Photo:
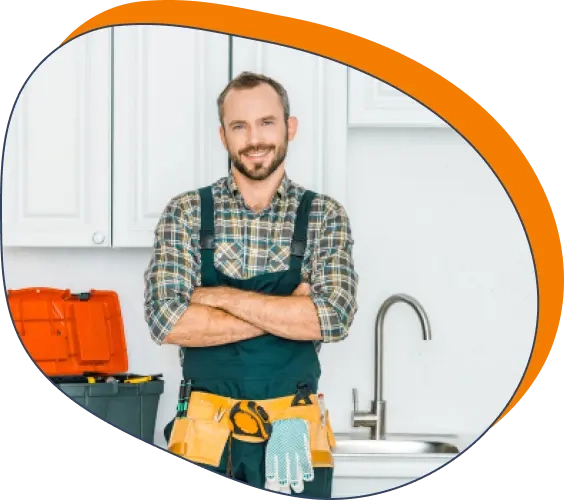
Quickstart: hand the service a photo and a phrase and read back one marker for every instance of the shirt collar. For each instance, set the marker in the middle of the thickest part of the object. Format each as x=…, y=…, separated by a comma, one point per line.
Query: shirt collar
x=281, y=191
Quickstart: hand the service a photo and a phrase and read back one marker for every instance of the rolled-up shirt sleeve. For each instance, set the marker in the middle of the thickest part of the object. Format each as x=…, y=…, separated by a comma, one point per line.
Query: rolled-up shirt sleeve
x=334, y=279
x=171, y=274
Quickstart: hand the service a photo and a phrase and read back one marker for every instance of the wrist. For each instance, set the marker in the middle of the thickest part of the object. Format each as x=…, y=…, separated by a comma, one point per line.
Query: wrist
x=202, y=296
x=209, y=296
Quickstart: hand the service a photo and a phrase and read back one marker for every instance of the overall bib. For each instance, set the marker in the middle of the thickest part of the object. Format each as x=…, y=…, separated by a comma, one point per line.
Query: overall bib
x=257, y=369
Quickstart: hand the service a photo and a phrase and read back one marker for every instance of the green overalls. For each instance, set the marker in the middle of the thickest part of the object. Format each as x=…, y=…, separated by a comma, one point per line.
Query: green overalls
x=260, y=368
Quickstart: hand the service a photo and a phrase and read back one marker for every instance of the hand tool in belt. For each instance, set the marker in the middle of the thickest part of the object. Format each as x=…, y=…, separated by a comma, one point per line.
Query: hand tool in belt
x=179, y=433
x=303, y=395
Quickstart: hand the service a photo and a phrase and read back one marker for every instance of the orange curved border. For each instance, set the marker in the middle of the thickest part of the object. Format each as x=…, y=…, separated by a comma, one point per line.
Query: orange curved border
x=430, y=89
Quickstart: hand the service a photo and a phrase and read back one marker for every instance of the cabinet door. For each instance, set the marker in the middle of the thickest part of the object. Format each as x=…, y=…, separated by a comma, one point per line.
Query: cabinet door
x=166, y=126
x=373, y=103
x=317, y=90
x=56, y=171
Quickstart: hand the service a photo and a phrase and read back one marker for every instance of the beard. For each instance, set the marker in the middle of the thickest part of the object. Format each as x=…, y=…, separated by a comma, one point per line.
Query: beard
x=259, y=171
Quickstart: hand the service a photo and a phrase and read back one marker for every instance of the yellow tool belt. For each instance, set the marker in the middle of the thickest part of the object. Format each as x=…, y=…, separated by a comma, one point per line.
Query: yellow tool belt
x=211, y=420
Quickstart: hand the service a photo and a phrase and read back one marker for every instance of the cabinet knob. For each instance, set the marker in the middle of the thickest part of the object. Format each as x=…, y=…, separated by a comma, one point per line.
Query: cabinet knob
x=98, y=238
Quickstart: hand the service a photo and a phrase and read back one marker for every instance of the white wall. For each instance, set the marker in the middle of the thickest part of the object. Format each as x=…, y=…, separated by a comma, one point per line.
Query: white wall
x=429, y=219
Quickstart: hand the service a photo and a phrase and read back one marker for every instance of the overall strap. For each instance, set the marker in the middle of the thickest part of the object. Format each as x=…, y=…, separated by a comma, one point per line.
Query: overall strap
x=299, y=240
x=207, y=228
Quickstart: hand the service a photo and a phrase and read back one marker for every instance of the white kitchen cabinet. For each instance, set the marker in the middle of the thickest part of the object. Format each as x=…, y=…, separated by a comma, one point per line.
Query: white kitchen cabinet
x=366, y=473
x=166, y=126
x=56, y=169
x=373, y=474
x=373, y=103
x=119, y=121
x=317, y=91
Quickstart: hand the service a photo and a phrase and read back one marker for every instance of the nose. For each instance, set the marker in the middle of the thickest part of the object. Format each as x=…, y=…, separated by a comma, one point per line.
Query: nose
x=255, y=136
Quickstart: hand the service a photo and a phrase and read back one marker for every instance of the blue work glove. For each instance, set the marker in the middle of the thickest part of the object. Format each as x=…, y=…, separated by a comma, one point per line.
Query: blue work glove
x=288, y=457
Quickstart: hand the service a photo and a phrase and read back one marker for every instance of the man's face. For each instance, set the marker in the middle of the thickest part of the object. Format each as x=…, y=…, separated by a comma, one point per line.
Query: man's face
x=254, y=132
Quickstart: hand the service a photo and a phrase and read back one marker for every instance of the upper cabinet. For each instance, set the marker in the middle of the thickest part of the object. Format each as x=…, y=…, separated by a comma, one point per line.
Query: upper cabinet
x=373, y=103
x=115, y=123
x=166, y=126
x=317, y=91
x=56, y=168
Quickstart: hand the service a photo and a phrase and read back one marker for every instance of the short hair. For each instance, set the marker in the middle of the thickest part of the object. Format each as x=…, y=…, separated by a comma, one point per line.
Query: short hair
x=249, y=80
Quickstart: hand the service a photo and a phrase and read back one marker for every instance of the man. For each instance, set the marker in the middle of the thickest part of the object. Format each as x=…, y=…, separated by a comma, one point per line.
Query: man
x=249, y=277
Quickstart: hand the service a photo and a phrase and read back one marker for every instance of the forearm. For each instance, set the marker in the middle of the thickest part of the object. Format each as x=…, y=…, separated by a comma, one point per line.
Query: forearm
x=204, y=326
x=293, y=317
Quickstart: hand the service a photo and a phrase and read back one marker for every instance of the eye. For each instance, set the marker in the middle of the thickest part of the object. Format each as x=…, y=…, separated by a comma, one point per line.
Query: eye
x=268, y=122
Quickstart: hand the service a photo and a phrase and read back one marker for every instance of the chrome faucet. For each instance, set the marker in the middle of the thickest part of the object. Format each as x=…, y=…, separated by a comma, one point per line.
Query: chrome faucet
x=376, y=418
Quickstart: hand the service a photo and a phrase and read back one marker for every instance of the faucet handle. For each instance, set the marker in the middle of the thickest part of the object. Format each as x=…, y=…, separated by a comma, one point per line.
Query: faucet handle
x=355, y=400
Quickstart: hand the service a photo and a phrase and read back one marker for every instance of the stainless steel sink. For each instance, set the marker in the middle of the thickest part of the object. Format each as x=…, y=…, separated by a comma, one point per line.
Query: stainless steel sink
x=350, y=445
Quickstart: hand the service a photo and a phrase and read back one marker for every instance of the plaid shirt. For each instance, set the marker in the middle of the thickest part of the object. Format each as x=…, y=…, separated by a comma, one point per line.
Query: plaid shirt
x=248, y=244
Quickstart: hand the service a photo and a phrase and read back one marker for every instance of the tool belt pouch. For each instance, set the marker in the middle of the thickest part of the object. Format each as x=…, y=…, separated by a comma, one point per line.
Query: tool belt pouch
x=199, y=439
x=321, y=443
x=177, y=440
x=330, y=435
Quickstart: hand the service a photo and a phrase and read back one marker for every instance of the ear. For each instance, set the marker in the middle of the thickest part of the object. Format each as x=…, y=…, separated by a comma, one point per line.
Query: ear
x=222, y=136
x=292, y=127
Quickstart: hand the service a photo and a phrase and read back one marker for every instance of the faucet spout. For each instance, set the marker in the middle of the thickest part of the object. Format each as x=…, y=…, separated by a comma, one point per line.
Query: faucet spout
x=379, y=353
x=376, y=417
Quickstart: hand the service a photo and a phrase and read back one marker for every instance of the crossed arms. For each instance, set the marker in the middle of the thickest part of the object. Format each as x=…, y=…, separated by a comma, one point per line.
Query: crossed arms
x=223, y=315
x=181, y=313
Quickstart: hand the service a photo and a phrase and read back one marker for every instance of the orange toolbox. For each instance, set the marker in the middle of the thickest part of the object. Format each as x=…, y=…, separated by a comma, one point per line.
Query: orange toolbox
x=78, y=341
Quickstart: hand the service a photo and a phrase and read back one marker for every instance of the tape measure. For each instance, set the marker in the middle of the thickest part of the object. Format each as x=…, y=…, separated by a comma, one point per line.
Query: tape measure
x=248, y=419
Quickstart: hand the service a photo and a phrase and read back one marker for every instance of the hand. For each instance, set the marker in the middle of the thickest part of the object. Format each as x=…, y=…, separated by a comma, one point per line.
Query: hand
x=288, y=457
x=302, y=289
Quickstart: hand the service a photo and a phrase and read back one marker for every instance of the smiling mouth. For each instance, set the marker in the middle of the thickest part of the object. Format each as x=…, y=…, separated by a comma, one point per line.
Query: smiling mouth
x=257, y=155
